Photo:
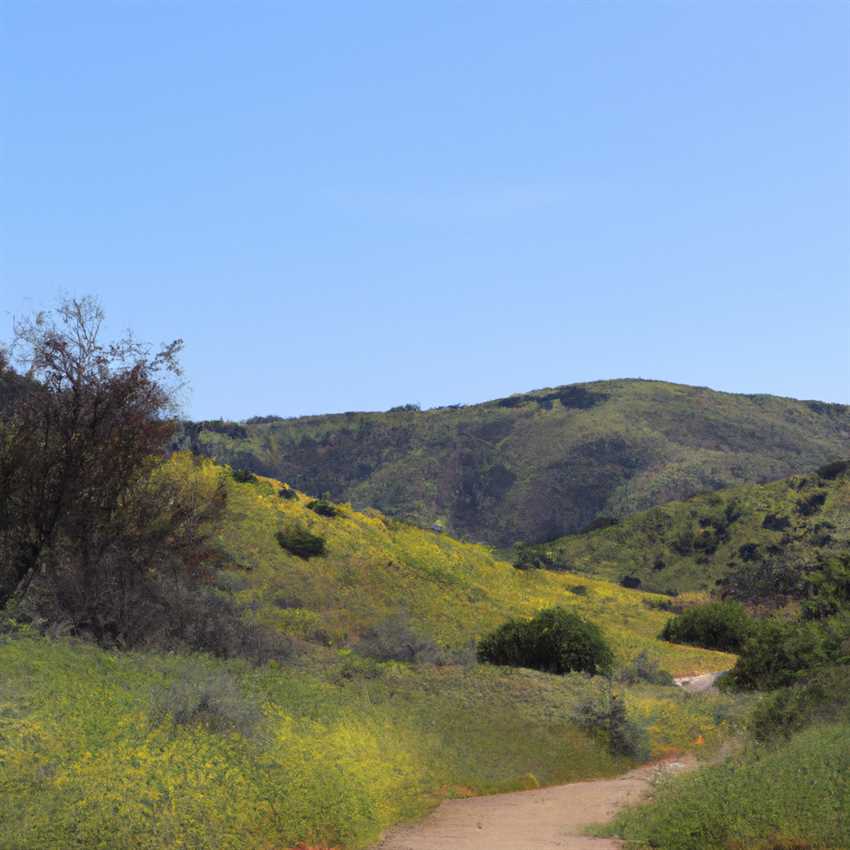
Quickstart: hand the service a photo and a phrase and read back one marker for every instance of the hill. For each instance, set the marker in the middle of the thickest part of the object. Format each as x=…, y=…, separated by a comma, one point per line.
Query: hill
x=332, y=746
x=375, y=567
x=755, y=541
x=538, y=465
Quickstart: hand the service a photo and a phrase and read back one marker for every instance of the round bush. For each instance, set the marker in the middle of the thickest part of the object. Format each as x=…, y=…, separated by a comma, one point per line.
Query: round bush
x=718, y=625
x=298, y=541
x=554, y=641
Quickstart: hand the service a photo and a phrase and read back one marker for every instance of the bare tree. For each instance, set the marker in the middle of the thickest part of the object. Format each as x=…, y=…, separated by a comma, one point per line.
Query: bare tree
x=83, y=427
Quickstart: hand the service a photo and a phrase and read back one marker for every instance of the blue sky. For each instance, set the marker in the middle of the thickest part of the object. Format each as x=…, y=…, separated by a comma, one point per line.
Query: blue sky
x=348, y=206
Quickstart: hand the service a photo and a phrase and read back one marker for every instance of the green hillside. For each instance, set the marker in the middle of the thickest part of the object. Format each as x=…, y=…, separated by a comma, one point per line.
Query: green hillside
x=756, y=539
x=538, y=465
x=375, y=567
x=153, y=750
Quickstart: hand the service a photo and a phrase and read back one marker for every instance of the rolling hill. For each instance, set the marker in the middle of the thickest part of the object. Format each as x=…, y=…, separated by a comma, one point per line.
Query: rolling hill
x=538, y=465
x=756, y=541
x=332, y=746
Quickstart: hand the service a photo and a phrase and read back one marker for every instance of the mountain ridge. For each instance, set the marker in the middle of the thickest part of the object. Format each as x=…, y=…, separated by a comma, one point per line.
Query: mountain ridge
x=536, y=465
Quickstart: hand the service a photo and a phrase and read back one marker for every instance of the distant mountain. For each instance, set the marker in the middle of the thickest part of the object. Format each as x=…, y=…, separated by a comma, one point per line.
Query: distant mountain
x=538, y=465
x=756, y=542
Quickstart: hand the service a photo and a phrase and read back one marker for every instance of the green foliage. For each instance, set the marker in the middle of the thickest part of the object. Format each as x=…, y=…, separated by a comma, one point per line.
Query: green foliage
x=779, y=652
x=454, y=592
x=717, y=625
x=297, y=540
x=823, y=696
x=827, y=588
x=811, y=504
x=554, y=641
x=605, y=716
x=539, y=465
x=832, y=470
x=323, y=507
x=97, y=747
x=244, y=476
x=751, y=542
x=793, y=796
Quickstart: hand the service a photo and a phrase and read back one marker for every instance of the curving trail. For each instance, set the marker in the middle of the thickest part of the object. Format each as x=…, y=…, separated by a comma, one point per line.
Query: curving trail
x=544, y=819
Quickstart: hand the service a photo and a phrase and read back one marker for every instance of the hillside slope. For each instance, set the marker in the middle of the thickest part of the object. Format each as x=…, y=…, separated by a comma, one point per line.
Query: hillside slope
x=756, y=539
x=538, y=465
x=329, y=746
x=375, y=567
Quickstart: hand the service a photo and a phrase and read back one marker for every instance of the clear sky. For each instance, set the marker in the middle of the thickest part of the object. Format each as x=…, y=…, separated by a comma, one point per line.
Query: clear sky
x=354, y=205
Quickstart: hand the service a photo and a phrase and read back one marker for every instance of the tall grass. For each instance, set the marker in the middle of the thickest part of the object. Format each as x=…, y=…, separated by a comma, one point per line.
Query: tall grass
x=795, y=796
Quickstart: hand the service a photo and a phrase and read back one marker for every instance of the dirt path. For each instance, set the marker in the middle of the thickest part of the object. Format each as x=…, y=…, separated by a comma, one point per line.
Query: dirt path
x=543, y=819
x=529, y=820
x=698, y=684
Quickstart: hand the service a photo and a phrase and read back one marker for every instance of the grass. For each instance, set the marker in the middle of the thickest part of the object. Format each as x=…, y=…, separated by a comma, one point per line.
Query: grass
x=104, y=750
x=649, y=545
x=794, y=796
x=343, y=747
x=454, y=592
x=539, y=465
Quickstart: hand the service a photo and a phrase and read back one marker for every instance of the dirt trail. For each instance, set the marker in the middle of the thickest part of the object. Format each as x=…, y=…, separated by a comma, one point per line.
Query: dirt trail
x=529, y=820
x=542, y=819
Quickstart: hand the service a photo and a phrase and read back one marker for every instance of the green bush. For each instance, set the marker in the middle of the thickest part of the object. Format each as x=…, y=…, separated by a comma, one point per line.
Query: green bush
x=323, y=507
x=778, y=652
x=554, y=641
x=832, y=470
x=822, y=696
x=297, y=540
x=811, y=504
x=717, y=625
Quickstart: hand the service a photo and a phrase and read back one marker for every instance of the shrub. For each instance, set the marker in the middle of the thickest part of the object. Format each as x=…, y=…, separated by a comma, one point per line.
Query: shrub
x=323, y=507
x=774, y=522
x=297, y=540
x=244, y=476
x=554, y=641
x=717, y=625
x=832, y=470
x=778, y=653
x=605, y=716
x=213, y=699
x=644, y=668
x=210, y=622
x=394, y=639
x=812, y=504
x=683, y=543
x=601, y=522
x=822, y=696
x=230, y=582
x=529, y=557
x=827, y=588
